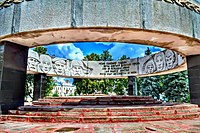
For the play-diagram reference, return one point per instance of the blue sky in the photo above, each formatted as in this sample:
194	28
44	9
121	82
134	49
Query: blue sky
77	51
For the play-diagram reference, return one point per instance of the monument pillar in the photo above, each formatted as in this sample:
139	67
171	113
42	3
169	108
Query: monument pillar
193	64
132	86
39	86
13	64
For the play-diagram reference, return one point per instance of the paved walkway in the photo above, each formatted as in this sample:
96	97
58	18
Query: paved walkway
172	126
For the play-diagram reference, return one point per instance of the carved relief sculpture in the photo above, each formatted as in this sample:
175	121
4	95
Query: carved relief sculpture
171	59
149	67
78	68
159	59
33	61
59	66
45	64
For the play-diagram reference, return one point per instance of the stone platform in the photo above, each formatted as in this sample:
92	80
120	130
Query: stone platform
101	110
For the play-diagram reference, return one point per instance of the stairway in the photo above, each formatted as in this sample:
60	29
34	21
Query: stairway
97	100
109	109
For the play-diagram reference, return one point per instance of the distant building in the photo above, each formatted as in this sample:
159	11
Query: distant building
64	89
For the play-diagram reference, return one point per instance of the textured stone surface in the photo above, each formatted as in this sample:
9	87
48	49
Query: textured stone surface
39	86
12	82
102	113
169	126
151	14
45	14
6	16
194	78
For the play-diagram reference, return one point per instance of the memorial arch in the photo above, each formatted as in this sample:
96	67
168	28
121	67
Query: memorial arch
171	24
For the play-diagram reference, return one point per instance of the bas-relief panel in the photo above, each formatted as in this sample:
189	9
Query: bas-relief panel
161	61
41	63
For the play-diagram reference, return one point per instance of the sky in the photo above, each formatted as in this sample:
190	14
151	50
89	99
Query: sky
77	51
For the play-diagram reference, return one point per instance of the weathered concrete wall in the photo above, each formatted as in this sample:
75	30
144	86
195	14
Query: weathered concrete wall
144	14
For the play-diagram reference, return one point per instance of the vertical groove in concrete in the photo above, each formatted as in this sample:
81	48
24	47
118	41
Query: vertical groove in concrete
16	18
193	30
78	7
76	13
146	14
142	11
73	22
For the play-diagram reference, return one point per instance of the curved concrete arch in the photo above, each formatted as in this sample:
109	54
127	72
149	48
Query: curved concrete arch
180	43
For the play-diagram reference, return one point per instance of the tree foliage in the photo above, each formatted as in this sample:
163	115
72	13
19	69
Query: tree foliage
40	50
92	57
49	85
170	88
148	51
176	87
29	85
106	56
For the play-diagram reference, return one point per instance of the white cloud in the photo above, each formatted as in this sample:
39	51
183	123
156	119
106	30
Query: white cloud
105	43
68	51
130	50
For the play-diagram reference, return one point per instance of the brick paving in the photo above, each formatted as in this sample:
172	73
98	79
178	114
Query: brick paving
170	126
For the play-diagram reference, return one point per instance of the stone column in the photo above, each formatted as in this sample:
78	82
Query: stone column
39	86
132	86
13	64
193	64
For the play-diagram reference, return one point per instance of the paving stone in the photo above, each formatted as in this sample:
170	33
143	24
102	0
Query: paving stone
104	128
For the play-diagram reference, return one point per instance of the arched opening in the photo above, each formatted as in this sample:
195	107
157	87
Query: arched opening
113	57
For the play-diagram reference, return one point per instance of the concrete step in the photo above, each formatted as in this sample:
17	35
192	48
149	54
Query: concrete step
106	100
104	112
119	108
98	119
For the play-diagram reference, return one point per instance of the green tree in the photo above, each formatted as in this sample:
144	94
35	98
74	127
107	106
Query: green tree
29	85
121	86
148	51
124	57
172	87
40	50
106	56
92	57
176	87
150	87
49	85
